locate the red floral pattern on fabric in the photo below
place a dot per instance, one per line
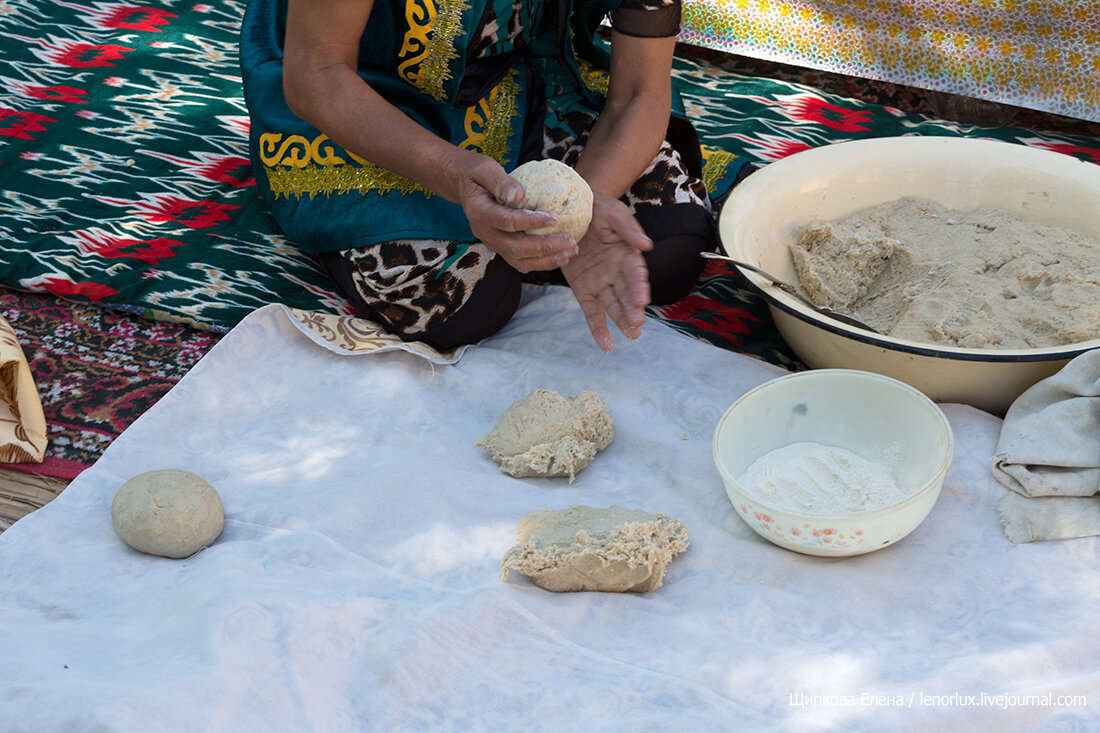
(814, 109)
(22, 124)
(111, 247)
(134, 18)
(66, 288)
(87, 55)
(168, 208)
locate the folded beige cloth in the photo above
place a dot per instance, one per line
(22, 424)
(1049, 449)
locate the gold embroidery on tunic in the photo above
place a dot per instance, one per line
(715, 164)
(594, 79)
(338, 179)
(428, 47)
(414, 45)
(488, 123)
(297, 166)
(294, 151)
(323, 151)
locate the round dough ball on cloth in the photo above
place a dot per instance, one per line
(550, 185)
(583, 548)
(170, 512)
(545, 434)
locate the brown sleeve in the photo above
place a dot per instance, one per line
(647, 18)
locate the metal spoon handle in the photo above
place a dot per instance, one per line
(786, 287)
(782, 285)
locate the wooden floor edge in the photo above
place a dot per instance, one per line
(22, 493)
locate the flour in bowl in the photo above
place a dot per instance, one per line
(820, 479)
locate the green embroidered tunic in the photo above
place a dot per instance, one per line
(487, 75)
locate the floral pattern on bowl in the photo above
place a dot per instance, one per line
(804, 534)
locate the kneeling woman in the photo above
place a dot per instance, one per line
(382, 133)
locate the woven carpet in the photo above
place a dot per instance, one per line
(124, 154)
(96, 371)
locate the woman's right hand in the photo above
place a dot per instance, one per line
(488, 196)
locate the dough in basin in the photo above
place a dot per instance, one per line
(171, 513)
(584, 548)
(988, 278)
(550, 185)
(545, 434)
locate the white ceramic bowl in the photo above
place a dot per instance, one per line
(876, 417)
(768, 211)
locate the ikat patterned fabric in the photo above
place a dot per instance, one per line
(124, 156)
(126, 181)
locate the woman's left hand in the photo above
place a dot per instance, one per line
(608, 274)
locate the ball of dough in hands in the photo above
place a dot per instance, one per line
(171, 513)
(550, 185)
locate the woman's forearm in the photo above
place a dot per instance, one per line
(622, 145)
(337, 101)
(633, 124)
(322, 86)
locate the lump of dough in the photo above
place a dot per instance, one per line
(837, 264)
(550, 185)
(171, 513)
(545, 434)
(583, 548)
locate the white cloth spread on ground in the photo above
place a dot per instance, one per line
(356, 585)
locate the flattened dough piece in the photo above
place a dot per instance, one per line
(584, 548)
(545, 434)
(550, 185)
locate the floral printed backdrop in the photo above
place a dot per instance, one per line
(1040, 54)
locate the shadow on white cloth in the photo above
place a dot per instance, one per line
(356, 585)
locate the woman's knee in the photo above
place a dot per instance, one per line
(484, 307)
(680, 232)
(491, 304)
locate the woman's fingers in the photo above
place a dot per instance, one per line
(505, 231)
(594, 316)
(625, 299)
(615, 221)
(609, 280)
(637, 238)
(524, 220)
(491, 176)
(531, 252)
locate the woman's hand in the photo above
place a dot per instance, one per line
(488, 196)
(608, 276)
